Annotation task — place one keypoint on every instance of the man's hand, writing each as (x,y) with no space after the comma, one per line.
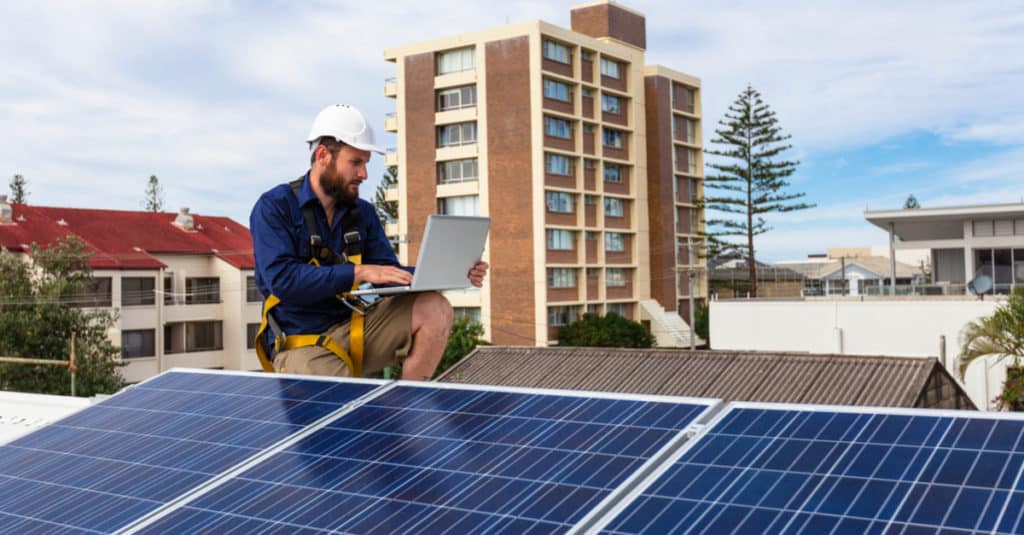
(383,274)
(477,273)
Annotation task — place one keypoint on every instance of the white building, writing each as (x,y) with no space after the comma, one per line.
(182,285)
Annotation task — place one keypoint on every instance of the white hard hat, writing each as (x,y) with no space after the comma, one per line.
(345,124)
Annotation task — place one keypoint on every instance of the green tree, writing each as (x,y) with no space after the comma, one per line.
(749,179)
(604,331)
(386,210)
(702,320)
(1000,335)
(37,319)
(911,202)
(154,201)
(464,338)
(19,191)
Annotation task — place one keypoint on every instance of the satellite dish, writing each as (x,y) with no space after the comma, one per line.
(982,284)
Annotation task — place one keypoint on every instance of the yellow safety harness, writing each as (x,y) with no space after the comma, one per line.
(321,254)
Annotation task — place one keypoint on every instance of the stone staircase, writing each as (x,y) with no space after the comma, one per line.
(668,328)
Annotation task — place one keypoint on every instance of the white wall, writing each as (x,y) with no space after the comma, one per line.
(871,327)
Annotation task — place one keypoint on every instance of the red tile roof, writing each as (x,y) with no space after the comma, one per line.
(127,240)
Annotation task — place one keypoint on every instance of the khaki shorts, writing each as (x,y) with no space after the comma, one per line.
(387,338)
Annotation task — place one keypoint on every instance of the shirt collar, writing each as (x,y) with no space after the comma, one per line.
(306,193)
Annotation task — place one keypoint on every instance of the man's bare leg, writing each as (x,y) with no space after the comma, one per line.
(431,324)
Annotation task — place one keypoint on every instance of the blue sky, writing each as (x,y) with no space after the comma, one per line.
(215,98)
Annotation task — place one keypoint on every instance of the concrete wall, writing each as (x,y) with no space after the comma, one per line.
(855,327)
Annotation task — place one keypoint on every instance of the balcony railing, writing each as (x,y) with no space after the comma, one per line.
(390,87)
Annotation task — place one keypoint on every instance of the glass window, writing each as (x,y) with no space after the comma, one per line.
(556,51)
(252,293)
(472,314)
(137,291)
(611,104)
(560,239)
(612,207)
(983,228)
(613,173)
(590,199)
(609,68)
(456,98)
(557,90)
(560,202)
(455,60)
(561,278)
(169,297)
(453,171)
(461,205)
(594,310)
(452,135)
(614,242)
(589,164)
(556,164)
(691,157)
(95,292)
(615,277)
(250,334)
(587,92)
(612,138)
(622,309)
(203,336)
(202,291)
(564,315)
(590,235)
(138,343)
(557,127)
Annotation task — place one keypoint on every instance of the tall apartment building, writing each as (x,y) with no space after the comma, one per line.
(587,160)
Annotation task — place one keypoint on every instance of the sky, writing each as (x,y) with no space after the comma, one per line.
(882,99)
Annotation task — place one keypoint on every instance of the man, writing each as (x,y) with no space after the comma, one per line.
(412,328)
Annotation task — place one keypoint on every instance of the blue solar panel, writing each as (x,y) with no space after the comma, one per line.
(760,469)
(432,458)
(107,465)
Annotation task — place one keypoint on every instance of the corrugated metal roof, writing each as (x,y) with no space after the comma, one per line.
(732,376)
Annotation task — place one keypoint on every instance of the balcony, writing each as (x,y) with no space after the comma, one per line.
(391,156)
(391,228)
(391,122)
(391,87)
(391,193)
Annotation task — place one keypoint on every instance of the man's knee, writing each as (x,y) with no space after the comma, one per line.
(432,308)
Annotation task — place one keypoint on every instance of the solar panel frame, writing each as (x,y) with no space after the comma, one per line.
(93,484)
(621,503)
(709,406)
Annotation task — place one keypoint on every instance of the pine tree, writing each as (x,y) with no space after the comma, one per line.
(749,180)
(911,202)
(18,192)
(154,201)
(386,210)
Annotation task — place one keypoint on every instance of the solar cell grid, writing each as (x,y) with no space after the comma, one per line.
(109,464)
(435,458)
(837,470)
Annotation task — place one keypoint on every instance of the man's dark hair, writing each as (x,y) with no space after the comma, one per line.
(331,145)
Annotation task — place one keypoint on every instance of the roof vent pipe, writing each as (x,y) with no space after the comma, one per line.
(184,220)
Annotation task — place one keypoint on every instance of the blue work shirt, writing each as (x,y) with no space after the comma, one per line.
(281,246)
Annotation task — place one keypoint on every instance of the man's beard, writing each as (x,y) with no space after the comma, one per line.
(335,187)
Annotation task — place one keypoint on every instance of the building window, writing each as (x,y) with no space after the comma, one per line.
(137,291)
(589,164)
(590,236)
(615,277)
(590,199)
(471,314)
(556,164)
(557,90)
(203,336)
(564,315)
(169,289)
(561,278)
(610,68)
(691,161)
(613,173)
(556,51)
(250,334)
(691,130)
(611,104)
(560,240)
(622,309)
(614,242)
(202,291)
(588,128)
(456,98)
(612,138)
(455,60)
(612,207)
(453,135)
(252,293)
(95,292)
(587,92)
(586,55)
(454,171)
(557,127)
(560,202)
(594,310)
(461,205)
(136,344)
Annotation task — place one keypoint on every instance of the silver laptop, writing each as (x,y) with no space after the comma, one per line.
(451,246)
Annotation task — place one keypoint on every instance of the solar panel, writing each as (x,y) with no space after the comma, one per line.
(427,458)
(110,464)
(771,469)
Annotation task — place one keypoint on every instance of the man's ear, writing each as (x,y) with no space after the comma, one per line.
(323,156)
